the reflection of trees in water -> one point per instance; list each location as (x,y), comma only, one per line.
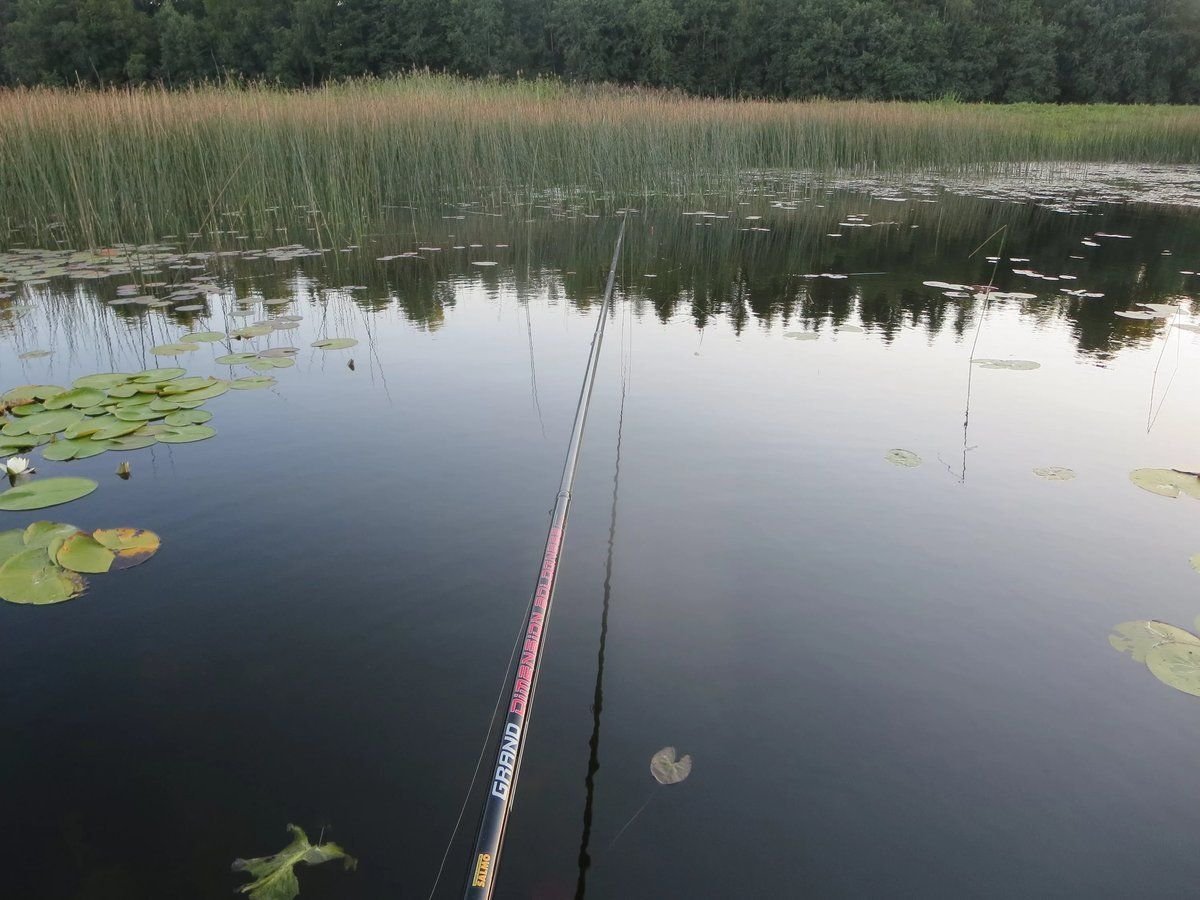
(719,269)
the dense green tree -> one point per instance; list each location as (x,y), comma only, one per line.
(977,50)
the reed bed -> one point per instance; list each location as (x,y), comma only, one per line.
(99,166)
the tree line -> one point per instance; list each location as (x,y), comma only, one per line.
(1079,51)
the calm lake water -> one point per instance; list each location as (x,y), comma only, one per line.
(893,681)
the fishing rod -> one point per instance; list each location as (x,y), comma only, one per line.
(485,859)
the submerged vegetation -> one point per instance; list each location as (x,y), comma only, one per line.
(130,164)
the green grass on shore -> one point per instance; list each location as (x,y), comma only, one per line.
(131,164)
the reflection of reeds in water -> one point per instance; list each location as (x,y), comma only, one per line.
(133,164)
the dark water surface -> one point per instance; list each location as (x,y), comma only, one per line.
(894,682)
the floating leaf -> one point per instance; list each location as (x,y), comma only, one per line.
(1164,310)
(80,398)
(801,335)
(1054,473)
(157,376)
(278,352)
(252,382)
(27,409)
(135,441)
(83,553)
(77,448)
(203,337)
(666,769)
(1135,314)
(188,417)
(184,385)
(181,434)
(251,331)
(1176,664)
(138,414)
(1195,561)
(173,349)
(34,354)
(30,577)
(335,343)
(275,877)
(1166,482)
(48,422)
(233,359)
(27,392)
(44,534)
(46,492)
(130,546)
(1020,365)
(905,458)
(103,381)
(196,397)
(1137,638)
(11,543)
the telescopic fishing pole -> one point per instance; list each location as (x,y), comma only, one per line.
(485,860)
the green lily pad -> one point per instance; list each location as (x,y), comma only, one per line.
(80,398)
(123,391)
(49,422)
(157,376)
(905,458)
(1164,482)
(196,397)
(103,381)
(115,429)
(130,546)
(181,434)
(29,392)
(335,343)
(163,405)
(138,414)
(135,441)
(275,877)
(184,385)
(11,543)
(203,337)
(1174,664)
(252,382)
(234,359)
(188,417)
(666,769)
(30,577)
(45,492)
(77,448)
(23,442)
(26,409)
(266,365)
(1137,638)
(43,534)
(251,331)
(83,553)
(173,349)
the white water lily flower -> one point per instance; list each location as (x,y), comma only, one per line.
(17,465)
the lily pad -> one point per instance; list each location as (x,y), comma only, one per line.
(30,577)
(138,414)
(181,434)
(34,354)
(102,381)
(46,492)
(335,343)
(252,382)
(77,448)
(666,769)
(188,417)
(173,349)
(1166,482)
(1174,664)
(251,331)
(1020,365)
(1137,638)
(83,553)
(203,337)
(1054,473)
(80,398)
(157,376)
(135,441)
(11,543)
(49,422)
(905,458)
(801,335)
(275,877)
(266,365)
(27,409)
(27,392)
(44,534)
(130,546)
(1135,314)
(184,385)
(234,359)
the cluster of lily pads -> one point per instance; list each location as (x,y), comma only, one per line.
(112,411)
(45,562)
(1172,654)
